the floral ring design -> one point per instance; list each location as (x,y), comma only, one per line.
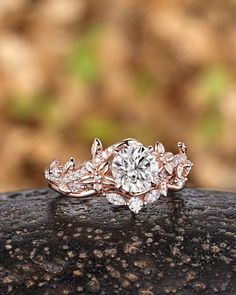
(127,173)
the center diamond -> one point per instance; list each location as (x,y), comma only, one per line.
(134,168)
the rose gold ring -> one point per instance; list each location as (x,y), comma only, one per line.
(127,173)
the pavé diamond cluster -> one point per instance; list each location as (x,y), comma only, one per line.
(127,173)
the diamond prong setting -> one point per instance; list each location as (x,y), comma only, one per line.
(134,168)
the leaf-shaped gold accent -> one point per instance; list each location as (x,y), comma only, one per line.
(104,167)
(53,164)
(96,147)
(109,180)
(90,167)
(169,167)
(168,156)
(69,164)
(87,180)
(159,147)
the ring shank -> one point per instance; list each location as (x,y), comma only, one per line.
(94,192)
(74,195)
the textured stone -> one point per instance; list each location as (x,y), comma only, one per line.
(182,244)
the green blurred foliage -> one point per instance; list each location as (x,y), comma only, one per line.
(144,83)
(106,128)
(210,127)
(111,130)
(83,61)
(79,70)
(214,81)
(42,110)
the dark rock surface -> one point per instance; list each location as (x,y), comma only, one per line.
(182,244)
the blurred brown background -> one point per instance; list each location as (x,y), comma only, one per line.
(71,70)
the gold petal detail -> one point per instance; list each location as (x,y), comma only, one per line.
(90,167)
(96,147)
(159,147)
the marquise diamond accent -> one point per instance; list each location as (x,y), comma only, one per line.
(135,204)
(115,199)
(152,196)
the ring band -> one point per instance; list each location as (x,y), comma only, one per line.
(127,173)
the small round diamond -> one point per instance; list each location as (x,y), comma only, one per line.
(152,196)
(75,186)
(135,204)
(70,176)
(55,173)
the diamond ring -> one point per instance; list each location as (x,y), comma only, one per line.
(127,173)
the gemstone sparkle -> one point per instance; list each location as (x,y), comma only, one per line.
(115,199)
(134,168)
(152,196)
(135,204)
